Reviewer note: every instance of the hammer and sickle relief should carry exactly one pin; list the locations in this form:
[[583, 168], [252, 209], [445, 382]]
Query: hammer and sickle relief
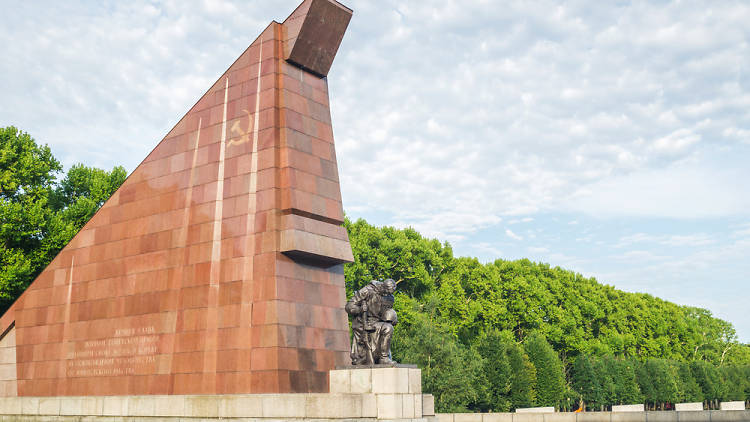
[[236, 130]]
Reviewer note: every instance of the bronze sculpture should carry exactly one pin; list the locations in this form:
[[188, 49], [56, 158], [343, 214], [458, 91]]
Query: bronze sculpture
[[373, 319]]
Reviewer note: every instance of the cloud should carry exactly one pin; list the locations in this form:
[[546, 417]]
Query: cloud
[[683, 190], [691, 240], [512, 235], [453, 118]]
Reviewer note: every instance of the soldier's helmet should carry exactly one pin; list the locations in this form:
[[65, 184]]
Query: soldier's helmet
[[390, 316]]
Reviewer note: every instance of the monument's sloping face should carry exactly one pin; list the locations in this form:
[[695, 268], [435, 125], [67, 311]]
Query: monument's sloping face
[[217, 266]]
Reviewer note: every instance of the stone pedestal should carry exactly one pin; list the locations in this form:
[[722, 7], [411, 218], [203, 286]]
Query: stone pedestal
[[396, 391]]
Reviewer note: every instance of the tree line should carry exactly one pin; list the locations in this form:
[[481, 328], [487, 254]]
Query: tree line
[[509, 334], [488, 336]]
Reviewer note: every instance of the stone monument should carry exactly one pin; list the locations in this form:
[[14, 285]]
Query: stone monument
[[216, 268], [215, 272]]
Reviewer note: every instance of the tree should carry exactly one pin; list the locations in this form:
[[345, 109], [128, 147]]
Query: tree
[[451, 371], [709, 379], [403, 255], [38, 216], [27, 173], [691, 391], [622, 372], [665, 381], [586, 383], [523, 377], [493, 349], [550, 375], [736, 382]]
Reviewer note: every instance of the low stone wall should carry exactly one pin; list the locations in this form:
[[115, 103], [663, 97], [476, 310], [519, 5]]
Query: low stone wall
[[243, 406], [667, 416]]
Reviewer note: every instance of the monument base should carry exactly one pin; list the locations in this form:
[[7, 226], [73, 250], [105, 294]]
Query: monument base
[[355, 394]]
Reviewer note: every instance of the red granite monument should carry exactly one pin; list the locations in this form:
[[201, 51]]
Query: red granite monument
[[217, 267]]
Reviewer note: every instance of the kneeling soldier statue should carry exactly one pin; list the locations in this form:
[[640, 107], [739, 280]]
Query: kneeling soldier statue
[[373, 319]]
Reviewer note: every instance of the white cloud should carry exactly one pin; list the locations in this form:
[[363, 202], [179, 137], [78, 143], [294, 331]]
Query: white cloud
[[512, 235], [450, 117], [689, 240]]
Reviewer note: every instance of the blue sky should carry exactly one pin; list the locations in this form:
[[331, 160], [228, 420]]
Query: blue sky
[[610, 138]]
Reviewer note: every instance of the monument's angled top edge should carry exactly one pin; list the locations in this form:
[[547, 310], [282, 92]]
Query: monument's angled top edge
[[313, 33], [342, 6], [306, 3]]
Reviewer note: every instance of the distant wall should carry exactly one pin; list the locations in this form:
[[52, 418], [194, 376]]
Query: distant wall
[[667, 416], [8, 374]]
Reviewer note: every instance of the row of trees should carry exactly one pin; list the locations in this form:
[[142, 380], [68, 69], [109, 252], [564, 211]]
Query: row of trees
[[499, 374], [513, 334], [603, 381], [491, 336], [39, 214]]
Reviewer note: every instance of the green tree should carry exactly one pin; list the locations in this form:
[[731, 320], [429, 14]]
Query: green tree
[[710, 381], [691, 391], [493, 349], [586, 383], [735, 381], [403, 255], [622, 372], [665, 381], [550, 375], [38, 216], [27, 174], [523, 377], [451, 371]]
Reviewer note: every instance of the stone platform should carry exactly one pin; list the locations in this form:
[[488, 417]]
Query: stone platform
[[356, 394]]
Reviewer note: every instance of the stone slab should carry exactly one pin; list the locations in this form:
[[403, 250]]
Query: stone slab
[[390, 380], [467, 417], [689, 407], [658, 416], [360, 381], [594, 417], [695, 416], [428, 405], [536, 410], [560, 417], [497, 417], [729, 415], [628, 408], [732, 405], [528, 417]]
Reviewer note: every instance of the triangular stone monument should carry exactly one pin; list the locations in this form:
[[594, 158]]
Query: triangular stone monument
[[217, 267]]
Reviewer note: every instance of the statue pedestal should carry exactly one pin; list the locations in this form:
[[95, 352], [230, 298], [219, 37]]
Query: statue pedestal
[[395, 390]]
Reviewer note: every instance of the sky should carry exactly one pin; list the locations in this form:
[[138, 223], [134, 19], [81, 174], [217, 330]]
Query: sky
[[608, 138]]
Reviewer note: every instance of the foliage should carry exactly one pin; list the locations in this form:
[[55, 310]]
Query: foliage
[[613, 346], [550, 383], [493, 349], [451, 371], [38, 214], [492, 336], [523, 380]]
